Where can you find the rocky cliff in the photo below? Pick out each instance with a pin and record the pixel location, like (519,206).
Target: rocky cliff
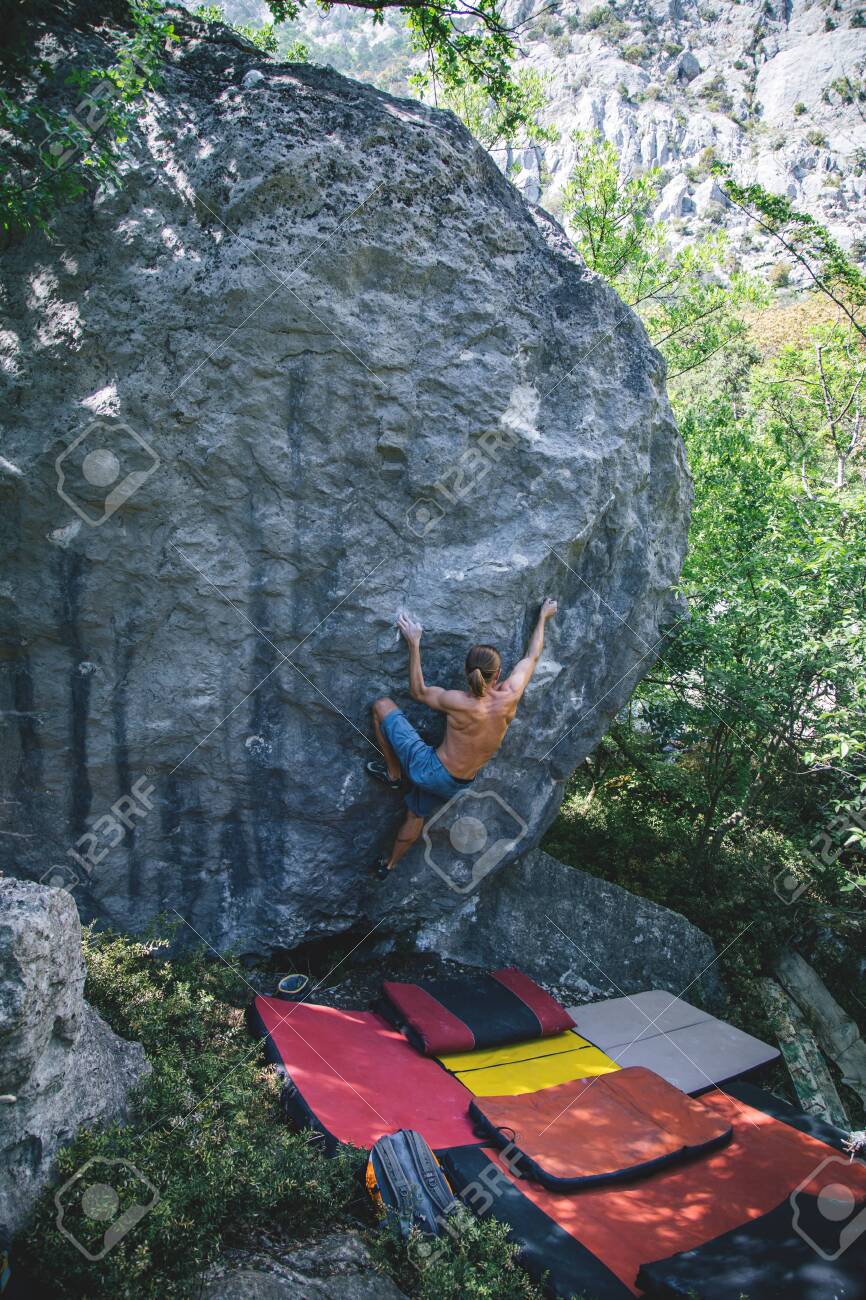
(311,363)
(776,89)
(61,1067)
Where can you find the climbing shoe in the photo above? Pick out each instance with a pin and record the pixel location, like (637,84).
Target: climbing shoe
(380,869)
(380,772)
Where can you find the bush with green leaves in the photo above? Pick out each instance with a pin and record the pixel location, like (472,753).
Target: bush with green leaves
(207,1134)
(54,155)
(474,1260)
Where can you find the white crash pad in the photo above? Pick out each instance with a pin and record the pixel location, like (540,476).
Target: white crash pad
(690,1048)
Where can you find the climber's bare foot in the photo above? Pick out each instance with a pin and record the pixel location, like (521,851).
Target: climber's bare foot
(382,773)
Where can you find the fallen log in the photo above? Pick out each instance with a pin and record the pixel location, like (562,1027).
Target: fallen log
(836,1032)
(816,1091)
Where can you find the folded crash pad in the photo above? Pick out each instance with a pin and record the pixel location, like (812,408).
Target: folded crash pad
(354,1079)
(690,1048)
(526,1067)
(459,1015)
(609,1128)
(684,1206)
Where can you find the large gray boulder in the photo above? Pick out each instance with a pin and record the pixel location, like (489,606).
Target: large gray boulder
(314,362)
(61,1067)
(585,937)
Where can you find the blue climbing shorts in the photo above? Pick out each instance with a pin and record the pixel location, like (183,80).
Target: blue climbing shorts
(431,784)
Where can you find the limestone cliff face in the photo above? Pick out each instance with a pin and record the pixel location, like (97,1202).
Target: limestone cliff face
(313,362)
(775,89)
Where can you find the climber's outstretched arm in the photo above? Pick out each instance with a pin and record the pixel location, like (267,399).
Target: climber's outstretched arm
(519,677)
(435,697)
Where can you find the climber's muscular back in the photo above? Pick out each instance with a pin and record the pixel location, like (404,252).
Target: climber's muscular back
(476,724)
(475,728)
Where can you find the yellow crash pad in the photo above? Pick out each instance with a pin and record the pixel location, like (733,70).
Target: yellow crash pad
(527,1067)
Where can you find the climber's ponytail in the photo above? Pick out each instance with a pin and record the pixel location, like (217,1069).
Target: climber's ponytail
(477,684)
(482,668)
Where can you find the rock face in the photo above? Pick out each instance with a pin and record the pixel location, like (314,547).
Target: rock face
(774,89)
(586,937)
(312,363)
(59,1060)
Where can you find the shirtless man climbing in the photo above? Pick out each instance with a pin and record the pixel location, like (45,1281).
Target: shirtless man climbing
(476,722)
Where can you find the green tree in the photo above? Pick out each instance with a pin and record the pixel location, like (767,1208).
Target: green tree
(691,308)
(494,123)
(807,244)
(759,693)
(812,396)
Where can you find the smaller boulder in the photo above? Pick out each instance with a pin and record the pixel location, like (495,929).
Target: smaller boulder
(674,200)
(708,194)
(686,67)
(337,1267)
(61,1066)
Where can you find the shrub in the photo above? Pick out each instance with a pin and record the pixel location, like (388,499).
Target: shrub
(847,90)
(597,17)
(603,19)
(816,138)
(475,1261)
(779,276)
(207,1133)
(717,95)
(800,108)
(635,53)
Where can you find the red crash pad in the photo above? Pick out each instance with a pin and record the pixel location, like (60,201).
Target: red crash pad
(611,1127)
(358,1079)
(684,1206)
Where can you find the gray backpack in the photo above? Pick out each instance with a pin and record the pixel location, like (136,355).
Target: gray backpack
(405,1179)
